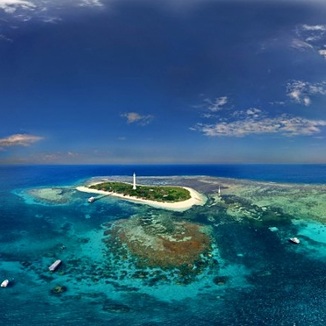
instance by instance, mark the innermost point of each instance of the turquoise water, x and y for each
(259, 278)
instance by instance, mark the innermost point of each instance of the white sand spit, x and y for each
(196, 199)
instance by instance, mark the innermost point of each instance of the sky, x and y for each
(162, 82)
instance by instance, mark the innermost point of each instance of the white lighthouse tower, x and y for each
(134, 181)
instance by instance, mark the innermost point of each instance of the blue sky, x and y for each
(210, 81)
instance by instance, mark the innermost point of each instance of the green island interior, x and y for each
(155, 193)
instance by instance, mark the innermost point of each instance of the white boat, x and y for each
(55, 265)
(5, 283)
(294, 240)
(91, 199)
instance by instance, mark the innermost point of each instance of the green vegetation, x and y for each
(156, 193)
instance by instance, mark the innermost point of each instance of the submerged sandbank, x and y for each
(195, 199)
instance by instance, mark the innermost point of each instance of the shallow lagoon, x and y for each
(260, 278)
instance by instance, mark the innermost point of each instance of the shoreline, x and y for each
(195, 199)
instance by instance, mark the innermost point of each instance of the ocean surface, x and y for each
(253, 275)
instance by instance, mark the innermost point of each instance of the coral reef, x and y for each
(59, 289)
(51, 195)
(159, 241)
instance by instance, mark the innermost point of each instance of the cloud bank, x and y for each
(18, 140)
(311, 37)
(28, 9)
(300, 91)
(254, 121)
(218, 104)
(134, 117)
(284, 125)
(91, 3)
(10, 6)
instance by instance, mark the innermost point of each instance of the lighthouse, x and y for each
(134, 181)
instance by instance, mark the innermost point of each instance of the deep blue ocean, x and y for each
(269, 283)
(48, 174)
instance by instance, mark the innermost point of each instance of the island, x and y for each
(174, 198)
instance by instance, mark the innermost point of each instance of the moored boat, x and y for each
(55, 265)
(5, 283)
(294, 240)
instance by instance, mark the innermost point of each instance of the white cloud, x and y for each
(5, 38)
(47, 11)
(91, 3)
(43, 9)
(218, 104)
(314, 27)
(301, 91)
(310, 36)
(295, 95)
(254, 112)
(18, 140)
(322, 53)
(286, 126)
(255, 121)
(134, 117)
(301, 45)
(10, 6)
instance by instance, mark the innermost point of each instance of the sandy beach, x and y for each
(196, 199)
